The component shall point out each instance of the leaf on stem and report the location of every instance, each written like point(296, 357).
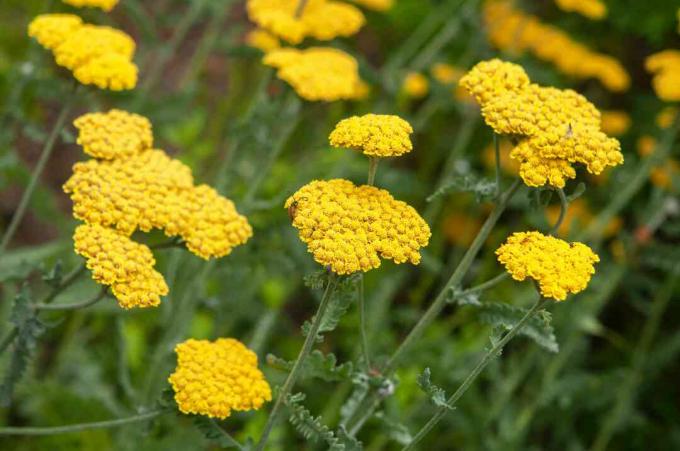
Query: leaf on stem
point(318, 365)
point(505, 316)
point(437, 395)
point(212, 432)
point(341, 299)
point(482, 188)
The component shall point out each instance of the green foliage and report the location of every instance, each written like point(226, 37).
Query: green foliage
point(505, 316)
point(311, 428)
point(317, 365)
point(213, 433)
point(436, 394)
point(342, 297)
point(483, 189)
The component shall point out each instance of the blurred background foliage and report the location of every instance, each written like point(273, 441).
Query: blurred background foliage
point(217, 108)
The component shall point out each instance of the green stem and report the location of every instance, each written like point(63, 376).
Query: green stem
point(9, 338)
point(80, 426)
point(372, 169)
point(66, 282)
point(626, 393)
point(37, 172)
point(75, 305)
point(362, 324)
point(497, 152)
point(490, 355)
point(485, 285)
point(564, 205)
point(262, 330)
point(232, 441)
point(297, 366)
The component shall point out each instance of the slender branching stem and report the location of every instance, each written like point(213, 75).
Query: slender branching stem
point(81, 426)
point(497, 151)
point(564, 205)
point(37, 172)
point(485, 285)
point(302, 356)
point(362, 323)
point(372, 169)
point(232, 441)
point(488, 357)
point(76, 305)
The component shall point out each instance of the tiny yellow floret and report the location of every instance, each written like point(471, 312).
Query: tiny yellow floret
point(378, 135)
point(349, 228)
point(557, 266)
point(214, 378)
point(117, 261)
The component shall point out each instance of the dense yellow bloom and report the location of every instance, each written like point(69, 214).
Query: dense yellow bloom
point(318, 73)
point(557, 266)
point(376, 5)
point(665, 66)
point(416, 85)
point(512, 30)
point(319, 19)
point(50, 30)
point(96, 55)
point(615, 122)
point(106, 5)
point(263, 40)
point(214, 378)
point(117, 261)
point(446, 74)
point(115, 134)
point(578, 217)
point(555, 128)
point(349, 228)
point(377, 135)
point(592, 9)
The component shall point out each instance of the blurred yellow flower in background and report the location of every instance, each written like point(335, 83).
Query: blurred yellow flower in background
point(106, 5)
point(592, 9)
point(665, 68)
point(615, 122)
point(415, 85)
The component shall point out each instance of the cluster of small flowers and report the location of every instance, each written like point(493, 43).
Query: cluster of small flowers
point(513, 30)
point(106, 5)
point(665, 66)
point(349, 227)
point(130, 186)
point(96, 55)
point(559, 267)
point(592, 9)
point(554, 128)
point(216, 378)
point(379, 135)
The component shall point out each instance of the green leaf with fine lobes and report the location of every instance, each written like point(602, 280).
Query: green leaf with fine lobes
point(437, 395)
point(318, 365)
point(506, 316)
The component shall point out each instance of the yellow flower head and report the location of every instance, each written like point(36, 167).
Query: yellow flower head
point(319, 19)
point(615, 122)
point(416, 85)
point(446, 74)
point(555, 128)
point(106, 5)
point(214, 378)
point(592, 9)
point(50, 30)
point(117, 261)
point(97, 55)
point(317, 73)
point(665, 66)
point(263, 40)
point(376, 5)
point(115, 134)
point(349, 228)
point(557, 266)
point(512, 30)
point(378, 135)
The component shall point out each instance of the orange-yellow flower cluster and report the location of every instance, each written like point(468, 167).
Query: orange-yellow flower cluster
point(320, 19)
point(96, 55)
point(106, 5)
point(665, 66)
point(592, 9)
point(216, 378)
point(615, 122)
point(378, 135)
point(318, 73)
point(119, 262)
point(554, 128)
point(349, 228)
point(113, 135)
point(512, 30)
point(557, 266)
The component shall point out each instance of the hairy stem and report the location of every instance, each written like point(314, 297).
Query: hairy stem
point(362, 323)
point(564, 205)
point(372, 169)
point(488, 357)
point(297, 366)
point(76, 305)
point(497, 152)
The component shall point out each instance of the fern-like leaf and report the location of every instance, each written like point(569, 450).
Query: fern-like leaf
point(437, 395)
point(482, 188)
point(505, 316)
point(213, 433)
point(318, 365)
point(344, 294)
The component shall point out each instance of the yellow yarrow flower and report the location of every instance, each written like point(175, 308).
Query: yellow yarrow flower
point(263, 40)
point(106, 5)
point(665, 67)
point(377, 135)
point(557, 266)
point(214, 378)
point(115, 134)
point(318, 73)
point(117, 261)
point(615, 122)
point(555, 128)
point(592, 9)
point(320, 19)
point(349, 228)
point(96, 55)
point(416, 85)
point(376, 5)
point(512, 30)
